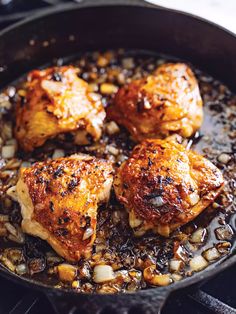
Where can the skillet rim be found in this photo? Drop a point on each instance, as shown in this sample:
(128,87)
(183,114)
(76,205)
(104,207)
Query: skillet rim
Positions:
(212,269)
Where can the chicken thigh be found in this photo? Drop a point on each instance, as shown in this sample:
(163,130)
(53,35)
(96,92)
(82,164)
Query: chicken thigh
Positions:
(164,186)
(56,101)
(59,200)
(161,104)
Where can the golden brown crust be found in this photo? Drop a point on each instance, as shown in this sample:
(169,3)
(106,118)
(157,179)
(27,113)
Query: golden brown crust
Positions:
(56,101)
(166,185)
(166,102)
(64,195)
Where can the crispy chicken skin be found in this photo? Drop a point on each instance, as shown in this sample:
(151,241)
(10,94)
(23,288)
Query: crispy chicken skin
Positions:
(59,200)
(164,186)
(166,102)
(56,101)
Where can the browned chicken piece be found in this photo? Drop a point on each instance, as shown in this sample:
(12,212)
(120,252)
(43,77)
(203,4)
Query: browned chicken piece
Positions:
(56,101)
(59,200)
(161,104)
(164,186)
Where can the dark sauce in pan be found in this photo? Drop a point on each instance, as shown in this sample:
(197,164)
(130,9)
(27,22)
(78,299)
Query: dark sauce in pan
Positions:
(211,235)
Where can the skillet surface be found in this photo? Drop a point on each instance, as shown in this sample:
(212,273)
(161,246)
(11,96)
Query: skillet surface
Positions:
(220,69)
(115,244)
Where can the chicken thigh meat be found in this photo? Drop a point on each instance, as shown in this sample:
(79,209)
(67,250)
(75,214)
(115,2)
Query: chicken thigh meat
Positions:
(56,101)
(166,102)
(59,200)
(164,186)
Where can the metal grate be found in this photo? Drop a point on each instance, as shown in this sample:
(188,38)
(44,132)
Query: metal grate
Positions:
(217,296)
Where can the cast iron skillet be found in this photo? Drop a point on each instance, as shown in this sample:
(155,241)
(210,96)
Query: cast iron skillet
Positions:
(104,25)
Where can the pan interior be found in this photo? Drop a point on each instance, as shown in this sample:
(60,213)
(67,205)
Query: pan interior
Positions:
(115,244)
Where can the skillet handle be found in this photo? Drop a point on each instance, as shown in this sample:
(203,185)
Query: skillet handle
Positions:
(143,302)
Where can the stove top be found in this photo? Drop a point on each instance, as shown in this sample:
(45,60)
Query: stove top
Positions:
(216,296)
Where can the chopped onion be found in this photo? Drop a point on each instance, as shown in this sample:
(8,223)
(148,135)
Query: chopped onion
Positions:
(21,269)
(161,280)
(53,259)
(7,131)
(75,284)
(176,277)
(121,158)
(66,272)
(224,233)
(112,128)
(211,254)
(12,193)
(223,247)
(111,149)
(103,273)
(152,276)
(88,233)
(175,265)
(58,153)
(107,88)
(224,158)
(198,236)
(198,263)
(8,151)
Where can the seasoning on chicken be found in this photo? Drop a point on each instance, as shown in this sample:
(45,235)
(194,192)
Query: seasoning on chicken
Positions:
(164,186)
(59,200)
(161,104)
(56,101)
